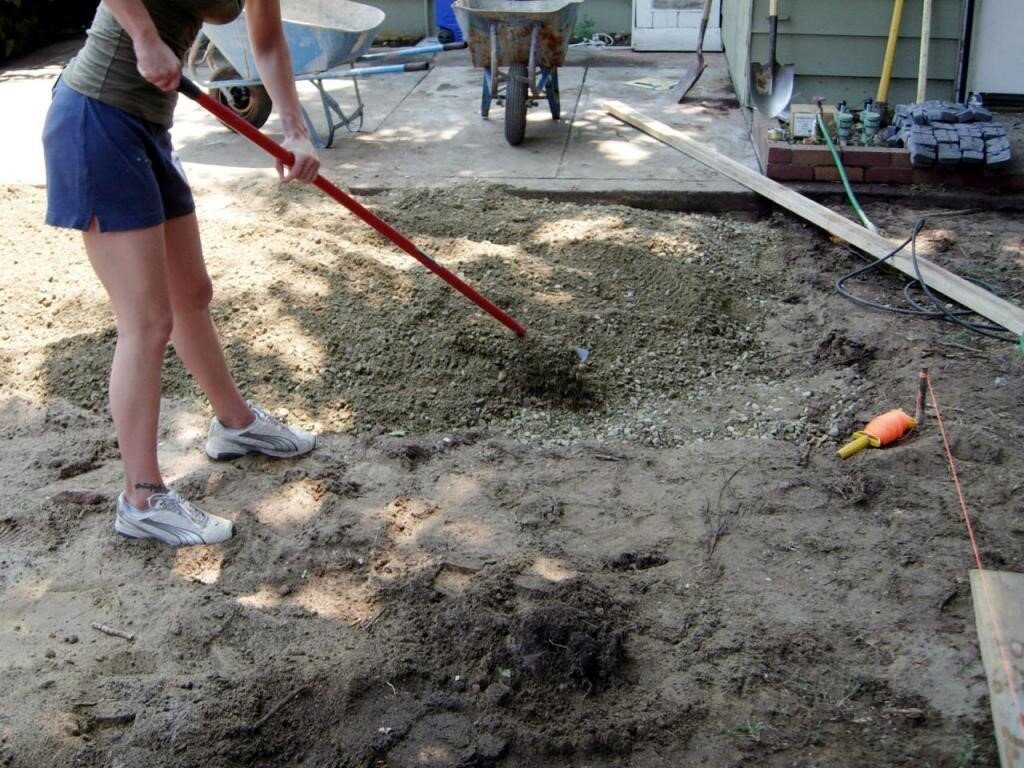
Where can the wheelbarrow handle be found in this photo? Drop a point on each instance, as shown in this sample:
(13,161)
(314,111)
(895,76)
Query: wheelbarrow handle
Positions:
(192,91)
(416,50)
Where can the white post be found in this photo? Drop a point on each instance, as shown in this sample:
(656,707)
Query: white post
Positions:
(926,32)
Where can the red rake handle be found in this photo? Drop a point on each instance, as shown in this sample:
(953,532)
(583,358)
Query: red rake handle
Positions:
(190,89)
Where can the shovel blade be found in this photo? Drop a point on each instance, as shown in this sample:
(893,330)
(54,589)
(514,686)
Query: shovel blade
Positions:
(686,82)
(771,89)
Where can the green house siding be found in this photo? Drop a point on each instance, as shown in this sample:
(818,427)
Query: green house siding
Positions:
(838,48)
(737,17)
(405,19)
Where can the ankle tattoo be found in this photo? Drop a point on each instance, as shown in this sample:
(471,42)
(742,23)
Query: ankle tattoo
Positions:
(152,487)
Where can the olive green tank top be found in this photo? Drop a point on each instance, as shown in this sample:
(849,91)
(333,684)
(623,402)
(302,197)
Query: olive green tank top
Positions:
(106,69)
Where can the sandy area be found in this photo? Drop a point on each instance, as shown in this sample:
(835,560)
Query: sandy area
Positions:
(625,540)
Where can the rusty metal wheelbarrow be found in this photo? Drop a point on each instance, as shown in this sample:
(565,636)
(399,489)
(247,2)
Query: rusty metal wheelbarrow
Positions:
(530,39)
(327,39)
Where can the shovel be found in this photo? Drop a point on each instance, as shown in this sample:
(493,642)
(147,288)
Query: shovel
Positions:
(771,86)
(690,76)
(268,145)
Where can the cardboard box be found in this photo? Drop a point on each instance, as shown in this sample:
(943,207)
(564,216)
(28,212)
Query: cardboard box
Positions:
(804,117)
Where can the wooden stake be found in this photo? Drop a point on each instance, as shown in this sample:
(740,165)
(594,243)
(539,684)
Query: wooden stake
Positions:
(964,292)
(113,632)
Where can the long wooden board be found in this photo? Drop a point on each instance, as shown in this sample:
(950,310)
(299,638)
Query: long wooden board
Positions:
(964,292)
(999,616)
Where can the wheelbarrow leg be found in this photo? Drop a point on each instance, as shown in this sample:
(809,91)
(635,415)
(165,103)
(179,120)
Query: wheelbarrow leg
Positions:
(333,109)
(314,134)
(532,63)
(485,98)
(495,73)
(549,85)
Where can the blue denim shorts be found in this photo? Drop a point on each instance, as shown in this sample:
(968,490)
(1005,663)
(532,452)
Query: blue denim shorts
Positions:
(104,163)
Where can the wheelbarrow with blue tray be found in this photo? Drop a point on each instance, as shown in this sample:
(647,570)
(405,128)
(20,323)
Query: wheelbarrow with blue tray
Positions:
(327,39)
(529,39)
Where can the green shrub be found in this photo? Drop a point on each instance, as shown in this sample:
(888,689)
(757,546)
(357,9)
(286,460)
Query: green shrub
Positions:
(28,24)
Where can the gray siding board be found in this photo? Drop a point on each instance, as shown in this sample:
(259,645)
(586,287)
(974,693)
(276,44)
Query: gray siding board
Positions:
(856,90)
(861,57)
(859,17)
(837,48)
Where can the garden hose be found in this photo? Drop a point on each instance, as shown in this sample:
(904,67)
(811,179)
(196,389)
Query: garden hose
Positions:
(842,175)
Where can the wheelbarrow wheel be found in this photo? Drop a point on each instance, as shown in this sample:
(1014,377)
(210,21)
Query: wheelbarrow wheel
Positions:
(250,102)
(515,105)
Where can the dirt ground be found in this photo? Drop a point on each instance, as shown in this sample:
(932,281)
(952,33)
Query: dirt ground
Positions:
(625,540)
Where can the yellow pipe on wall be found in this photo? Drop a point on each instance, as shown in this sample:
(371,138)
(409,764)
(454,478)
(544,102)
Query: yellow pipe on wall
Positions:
(890,52)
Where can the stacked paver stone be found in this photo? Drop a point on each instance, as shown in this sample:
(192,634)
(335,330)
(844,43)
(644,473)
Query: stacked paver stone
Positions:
(945,133)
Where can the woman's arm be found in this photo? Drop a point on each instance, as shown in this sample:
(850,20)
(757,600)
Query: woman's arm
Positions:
(156,61)
(270,50)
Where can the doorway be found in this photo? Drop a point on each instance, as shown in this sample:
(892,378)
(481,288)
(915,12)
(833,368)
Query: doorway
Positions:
(673,25)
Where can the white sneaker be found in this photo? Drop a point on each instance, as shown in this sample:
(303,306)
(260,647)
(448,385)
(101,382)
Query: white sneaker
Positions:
(265,435)
(172,520)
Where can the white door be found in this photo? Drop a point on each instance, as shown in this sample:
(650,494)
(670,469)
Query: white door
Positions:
(673,25)
(997,57)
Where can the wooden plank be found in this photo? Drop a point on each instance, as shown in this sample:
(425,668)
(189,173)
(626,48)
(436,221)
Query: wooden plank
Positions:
(964,292)
(998,598)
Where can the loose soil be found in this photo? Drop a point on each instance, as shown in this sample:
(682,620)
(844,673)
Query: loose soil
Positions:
(623,540)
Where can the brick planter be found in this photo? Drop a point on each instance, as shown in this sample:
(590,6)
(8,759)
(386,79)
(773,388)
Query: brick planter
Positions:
(871,165)
(787,162)
(803,162)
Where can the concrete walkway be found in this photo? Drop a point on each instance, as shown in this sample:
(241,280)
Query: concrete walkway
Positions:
(425,129)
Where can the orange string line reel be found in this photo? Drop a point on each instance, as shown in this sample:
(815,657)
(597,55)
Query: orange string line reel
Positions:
(880,431)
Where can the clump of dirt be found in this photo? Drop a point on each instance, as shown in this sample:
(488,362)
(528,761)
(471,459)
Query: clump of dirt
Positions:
(554,375)
(477,676)
(567,638)
(565,646)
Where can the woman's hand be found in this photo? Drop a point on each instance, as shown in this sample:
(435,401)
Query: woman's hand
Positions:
(273,60)
(157,62)
(307,163)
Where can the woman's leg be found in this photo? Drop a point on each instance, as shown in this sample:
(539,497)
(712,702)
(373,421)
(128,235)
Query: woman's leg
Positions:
(131,266)
(238,429)
(194,337)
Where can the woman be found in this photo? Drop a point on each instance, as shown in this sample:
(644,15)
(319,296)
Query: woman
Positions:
(112,173)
